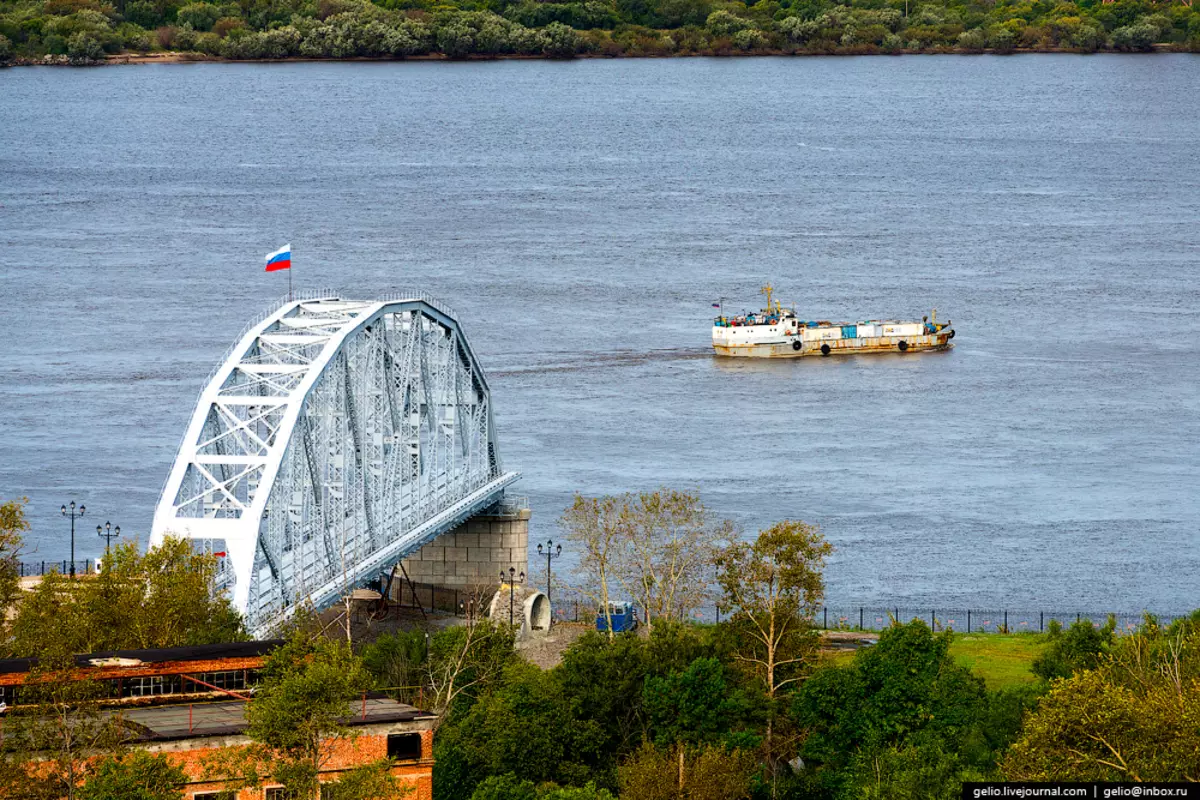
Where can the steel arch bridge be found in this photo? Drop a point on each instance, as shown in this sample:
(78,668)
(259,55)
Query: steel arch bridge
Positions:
(337,437)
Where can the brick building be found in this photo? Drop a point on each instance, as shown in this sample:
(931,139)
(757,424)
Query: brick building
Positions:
(188,703)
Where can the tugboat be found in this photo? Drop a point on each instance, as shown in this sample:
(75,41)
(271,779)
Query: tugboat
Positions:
(776,332)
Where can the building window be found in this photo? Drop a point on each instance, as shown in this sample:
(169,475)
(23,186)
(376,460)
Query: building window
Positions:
(205,796)
(404,746)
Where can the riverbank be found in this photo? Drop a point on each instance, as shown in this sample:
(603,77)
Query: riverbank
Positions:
(178,57)
(86,32)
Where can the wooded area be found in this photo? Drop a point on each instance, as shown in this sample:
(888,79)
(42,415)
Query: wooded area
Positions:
(85,31)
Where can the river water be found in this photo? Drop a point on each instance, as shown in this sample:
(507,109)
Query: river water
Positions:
(583,216)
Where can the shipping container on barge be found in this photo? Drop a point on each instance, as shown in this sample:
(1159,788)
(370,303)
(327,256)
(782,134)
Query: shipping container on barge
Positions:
(777,332)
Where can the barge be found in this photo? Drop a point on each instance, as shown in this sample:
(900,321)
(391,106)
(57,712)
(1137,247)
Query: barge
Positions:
(777,332)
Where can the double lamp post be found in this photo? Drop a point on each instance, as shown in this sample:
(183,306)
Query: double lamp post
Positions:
(105,531)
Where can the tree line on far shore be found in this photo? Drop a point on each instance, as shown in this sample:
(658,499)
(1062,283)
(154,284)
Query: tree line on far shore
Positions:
(85,31)
(747,709)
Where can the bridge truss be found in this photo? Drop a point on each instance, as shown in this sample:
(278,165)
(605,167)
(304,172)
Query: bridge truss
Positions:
(336,438)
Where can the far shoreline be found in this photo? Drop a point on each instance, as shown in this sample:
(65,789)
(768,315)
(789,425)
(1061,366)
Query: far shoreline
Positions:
(185,57)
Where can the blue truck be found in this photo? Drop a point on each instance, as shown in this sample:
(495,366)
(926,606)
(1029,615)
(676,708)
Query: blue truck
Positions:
(623,614)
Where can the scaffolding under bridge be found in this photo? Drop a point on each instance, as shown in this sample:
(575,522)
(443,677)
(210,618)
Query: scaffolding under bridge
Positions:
(337,437)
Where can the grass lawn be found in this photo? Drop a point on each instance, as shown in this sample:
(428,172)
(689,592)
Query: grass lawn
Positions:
(1001,659)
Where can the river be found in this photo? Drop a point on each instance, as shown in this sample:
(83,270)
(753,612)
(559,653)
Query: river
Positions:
(583,216)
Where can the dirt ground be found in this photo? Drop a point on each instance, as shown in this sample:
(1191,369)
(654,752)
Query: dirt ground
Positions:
(546,651)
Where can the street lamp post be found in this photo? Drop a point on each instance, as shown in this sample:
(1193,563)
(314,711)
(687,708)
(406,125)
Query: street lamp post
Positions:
(513,579)
(552,551)
(108,532)
(73,514)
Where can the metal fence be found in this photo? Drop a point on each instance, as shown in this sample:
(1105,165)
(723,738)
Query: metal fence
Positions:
(574,608)
(32,568)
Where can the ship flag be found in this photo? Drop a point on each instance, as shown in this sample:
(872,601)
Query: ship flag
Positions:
(280,259)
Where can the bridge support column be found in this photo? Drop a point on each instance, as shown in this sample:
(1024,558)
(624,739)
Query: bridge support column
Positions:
(473,554)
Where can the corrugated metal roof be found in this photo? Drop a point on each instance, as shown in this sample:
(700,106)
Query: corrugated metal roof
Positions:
(203,652)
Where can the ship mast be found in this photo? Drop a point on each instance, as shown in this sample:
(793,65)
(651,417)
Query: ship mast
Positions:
(767,291)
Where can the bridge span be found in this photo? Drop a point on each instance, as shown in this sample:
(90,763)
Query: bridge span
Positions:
(337,437)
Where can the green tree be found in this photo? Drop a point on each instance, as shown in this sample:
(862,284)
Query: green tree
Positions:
(595,525)
(906,690)
(12,527)
(53,742)
(136,775)
(562,41)
(300,711)
(694,706)
(1132,718)
(1082,646)
(773,587)
(525,728)
(588,791)
(687,773)
(162,598)
(913,772)
(85,47)
(200,16)
(505,787)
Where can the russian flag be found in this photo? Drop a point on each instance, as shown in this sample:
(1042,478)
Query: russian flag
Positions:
(280,259)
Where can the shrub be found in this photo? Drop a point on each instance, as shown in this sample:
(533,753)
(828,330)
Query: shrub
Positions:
(84,47)
(973,41)
(799,30)
(456,39)
(504,787)
(224,25)
(749,39)
(1081,647)
(55,45)
(5,49)
(1139,36)
(200,16)
(723,23)
(135,38)
(1002,40)
(143,14)
(562,41)
(892,43)
(1089,37)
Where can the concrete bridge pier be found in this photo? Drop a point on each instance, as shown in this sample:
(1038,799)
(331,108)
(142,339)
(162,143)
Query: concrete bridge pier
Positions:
(472,556)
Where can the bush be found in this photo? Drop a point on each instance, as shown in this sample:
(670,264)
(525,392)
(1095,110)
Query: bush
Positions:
(973,41)
(1002,40)
(85,47)
(134,38)
(561,41)
(5,49)
(200,16)
(1083,646)
(799,30)
(504,787)
(457,39)
(722,23)
(749,39)
(225,25)
(143,14)
(1089,37)
(1140,36)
